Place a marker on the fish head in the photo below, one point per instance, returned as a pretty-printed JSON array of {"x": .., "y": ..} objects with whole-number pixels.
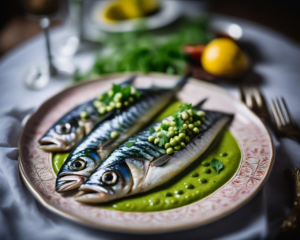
[
  {"x": 76, "y": 169},
  {"x": 63, "y": 136},
  {"x": 106, "y": 184}
]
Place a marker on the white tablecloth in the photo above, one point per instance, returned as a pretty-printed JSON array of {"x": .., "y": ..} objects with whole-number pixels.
[{"x": 22, "y": 217}]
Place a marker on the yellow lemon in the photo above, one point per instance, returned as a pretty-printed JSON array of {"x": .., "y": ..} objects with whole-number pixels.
[
  {"x": 222, "y": 56},
  {"x": 130, "y": 9}
]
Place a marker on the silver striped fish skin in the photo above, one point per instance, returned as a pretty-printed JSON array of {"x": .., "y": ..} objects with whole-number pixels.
[
  {"x": 99, "y": 143},
  {"x": 70, "y": 129},
  {"x": 128, "y": 171}
]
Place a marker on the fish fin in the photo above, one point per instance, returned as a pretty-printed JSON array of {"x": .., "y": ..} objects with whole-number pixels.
[
  {"x": 183, "y": 80},
  {"x": 161, "y": 161},
  {"x": 129, "y": 81},
  {"x": 199, "y": 104}
]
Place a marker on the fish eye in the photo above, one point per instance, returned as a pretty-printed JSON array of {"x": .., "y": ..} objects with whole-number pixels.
[
  {"x": 78, "y": 164},
  {"x": 64, "y": 128},
  {"x": 109, "y": 178}
]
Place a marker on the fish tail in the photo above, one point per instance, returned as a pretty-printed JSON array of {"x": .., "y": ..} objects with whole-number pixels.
[
  {"x": 183, "y": 81},
  {"x": 200, "y": 104},
  {"x": 129, "y": 81}
]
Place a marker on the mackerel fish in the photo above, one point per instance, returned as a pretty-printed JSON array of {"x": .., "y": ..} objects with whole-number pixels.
[
  {"x": 144, "y": 166},
  {"x": 70, "y": 129},
  {"x": 97, "y": 146}
]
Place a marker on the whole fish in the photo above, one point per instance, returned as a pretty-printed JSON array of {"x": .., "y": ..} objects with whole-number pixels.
[
  {"x": 144, "y": 166},
  {"x": 95, "y": 147},
  {"x": 70, "y": 129}
]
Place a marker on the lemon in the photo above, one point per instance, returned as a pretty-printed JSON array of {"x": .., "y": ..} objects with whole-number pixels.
[
  {"x": 222, "y": 56},
  {"x": 129, "y": 9}
]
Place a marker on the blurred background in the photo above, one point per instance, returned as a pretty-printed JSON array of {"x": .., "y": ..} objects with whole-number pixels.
[{"x": 282, "y": 16}]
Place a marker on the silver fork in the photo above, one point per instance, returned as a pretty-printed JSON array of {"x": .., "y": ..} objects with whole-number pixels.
[
  {"x": 286, "y": 125},
  {"x": 254, "y": 99}
]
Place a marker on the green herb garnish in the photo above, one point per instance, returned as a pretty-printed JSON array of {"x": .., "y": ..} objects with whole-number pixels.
[
  {"x": 217, "y": 165},
  {"x": 164, "y": 127},
  {"x": 164, "y": 139},
  {"x": 130, "y": 144},
  {"x": 126, "y": 92},
  {"x": 151, "y": 130}
]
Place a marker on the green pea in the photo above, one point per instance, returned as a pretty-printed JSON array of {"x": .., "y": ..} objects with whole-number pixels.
[
  {"x": 198, "y": 123},
  {"x": 190, "y": 112},
  {"x": 157, "y": 129},
  {"x": 110, "y": 93},
  {"x": 171, "y": 129},
  {"x": 187, "y": 139},
  {"x": 200, "y": 113},
  {"x": 196, "y": 130},
  {"x": 167, "y": 145},
  {"x": 207, "y": 170},
  {"x": 108, "y": 108},
  {"x": 177, "y": 147},
  {"x": 170, "y": 151},
  {"x": 202, "y": 180},
  {"x": 184, "y": 115},
  {"x": 185, "y": 126},
  {"x": 168, "y": 194},
  {"x": 177, "y": 139},
  {"x": 194, "y": 174},
  {"x": 131, "y": 99},
  {"x": 171, "y": 134},
  {"x": 173, "y": 142},
  {"x": 102, "y": 110},
  {"x": 112, "y": 104},
  {"x": 189, "y": 186},
  {"x": 159, "y": 134},
  {"x": 187, "y": 122},
  {"x": 173, "y": 123},
  {"x": 182, "y": 131},
  {"x": 191, "y": 126},
  {"x": 97, "y": 104},
  {"x": 118, "y": 105},
  {"x": 182, "y": 145},
  {"x": 126, "y": 103},
  {"x": 165, "y": 122},
  {"x": 223, "y": 154},
  {"x": 191, "y": 119},
  {"x": 179, "y": 192},
  {"x": 151, "y": 139},
  {"x": 176, "y": 132},
  {"x": 156, "y": 141},
  {"x": 114, "y": 134},
  {"x": 118, "y": 97},
  {"x": 205, "y": 163},
  {"x": 84, "y": 115},
  {"x": 182, "y": 136}
]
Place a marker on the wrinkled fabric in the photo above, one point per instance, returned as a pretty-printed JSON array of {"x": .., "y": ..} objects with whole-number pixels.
[{"x": 276, "y": 71}]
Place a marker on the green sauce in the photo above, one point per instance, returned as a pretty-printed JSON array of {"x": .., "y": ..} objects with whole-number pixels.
[{"x": 193, "y": 184}]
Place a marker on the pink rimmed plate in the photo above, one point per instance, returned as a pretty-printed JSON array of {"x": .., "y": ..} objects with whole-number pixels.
[{"x": 252, "y": 136}]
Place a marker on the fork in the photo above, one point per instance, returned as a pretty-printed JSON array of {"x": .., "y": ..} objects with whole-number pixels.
[
  {"x": 286, "y": 125},
  {"x": 253, "y": 98}
]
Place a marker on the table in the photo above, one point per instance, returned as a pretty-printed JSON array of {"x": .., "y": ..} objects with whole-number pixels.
[{"x": 277, "y": 73}]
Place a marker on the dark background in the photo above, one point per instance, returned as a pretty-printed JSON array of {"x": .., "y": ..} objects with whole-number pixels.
[{"x": 282, "y": 16}]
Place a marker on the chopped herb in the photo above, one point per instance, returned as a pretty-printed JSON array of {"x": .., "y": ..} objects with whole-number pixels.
[
  {"x": 116, "y": 88},
  {"x": 185, "y": 107},
  {"x": 179, "y": 123},
  {"x": 126, "y": 92},
  {"x": 120, "y": 126},
  {"x": 151, "y": 130},
  {"x": 164, "y": 139},
  {"x": 217, "y": 165},
  {"x": 106, "y": 98},
  {"x": 164, "y": 127},
  {"x": 130, "y": 144}
]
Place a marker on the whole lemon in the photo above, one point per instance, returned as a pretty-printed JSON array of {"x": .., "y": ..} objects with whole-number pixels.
[{"x": 222, "y": 56}]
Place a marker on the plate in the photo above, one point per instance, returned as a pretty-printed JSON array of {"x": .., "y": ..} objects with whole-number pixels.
[
  {"x": 169, "y": 12},
  {"x": 252, "y": 136}
]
